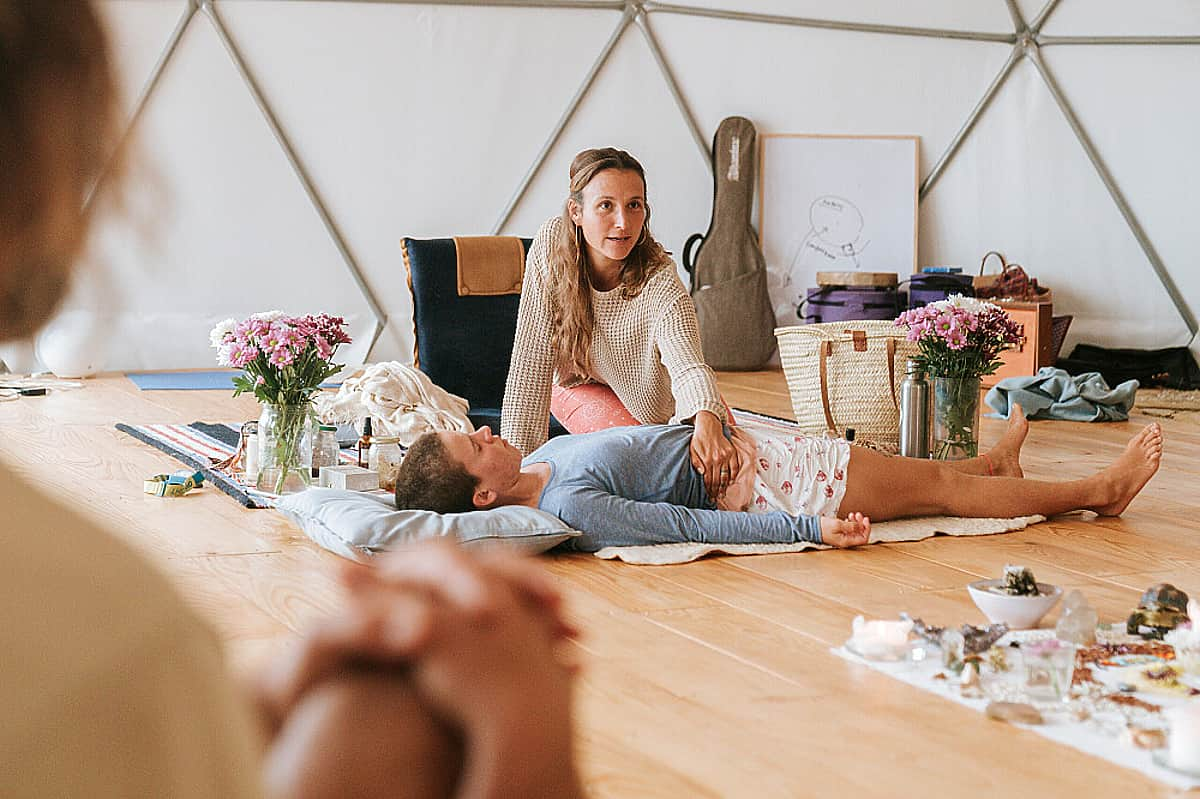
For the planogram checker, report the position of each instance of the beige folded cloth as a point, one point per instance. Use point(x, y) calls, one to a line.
point(400, 399)
point(489, 265)
point(899, 530)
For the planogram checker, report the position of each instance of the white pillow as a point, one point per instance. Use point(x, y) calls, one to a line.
point(357, 525)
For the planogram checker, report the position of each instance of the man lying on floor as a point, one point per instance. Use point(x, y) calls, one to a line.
point(631, 486)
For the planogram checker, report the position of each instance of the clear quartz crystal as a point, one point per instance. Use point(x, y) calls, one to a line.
point(952, 650)
point(1077, 623)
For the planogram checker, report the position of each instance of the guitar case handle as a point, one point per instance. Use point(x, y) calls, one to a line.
point(689, 263)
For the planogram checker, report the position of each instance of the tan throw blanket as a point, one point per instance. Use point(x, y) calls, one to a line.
point(401, 401)
point(899, 530)
point(489, 265)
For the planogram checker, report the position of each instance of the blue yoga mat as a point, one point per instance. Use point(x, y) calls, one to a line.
point(190, 381)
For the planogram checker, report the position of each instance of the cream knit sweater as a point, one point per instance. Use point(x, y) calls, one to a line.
point(647, 349)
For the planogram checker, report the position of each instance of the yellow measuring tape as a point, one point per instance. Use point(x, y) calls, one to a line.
point(172, 485)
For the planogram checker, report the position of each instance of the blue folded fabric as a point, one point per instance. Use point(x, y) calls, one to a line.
point(1054, 394)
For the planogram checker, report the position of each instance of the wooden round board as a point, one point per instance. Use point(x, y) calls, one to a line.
point(857, 278)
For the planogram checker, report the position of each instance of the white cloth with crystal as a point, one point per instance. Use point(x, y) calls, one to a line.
point(1099, 735)
point(401, 401)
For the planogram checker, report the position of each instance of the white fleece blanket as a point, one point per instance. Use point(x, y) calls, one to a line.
point(900, 530)
point(401, 401)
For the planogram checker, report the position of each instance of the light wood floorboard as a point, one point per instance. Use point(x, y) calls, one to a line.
point(709, 679)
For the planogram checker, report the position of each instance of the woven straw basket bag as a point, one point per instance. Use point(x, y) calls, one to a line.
point(846, 374)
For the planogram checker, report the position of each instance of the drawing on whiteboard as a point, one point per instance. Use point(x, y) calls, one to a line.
point(834, 204)
point(834, 241)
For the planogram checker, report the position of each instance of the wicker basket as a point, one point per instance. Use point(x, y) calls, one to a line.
point(846, 374)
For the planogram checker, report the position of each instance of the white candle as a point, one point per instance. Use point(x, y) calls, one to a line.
point(881, 639)
point(1184, 750)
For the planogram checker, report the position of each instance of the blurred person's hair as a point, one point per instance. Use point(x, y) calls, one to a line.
point(59, 127)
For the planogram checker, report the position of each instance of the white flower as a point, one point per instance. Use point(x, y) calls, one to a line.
point(217, 335)
point(968, 304)
point(223, 354)
point(269, 316)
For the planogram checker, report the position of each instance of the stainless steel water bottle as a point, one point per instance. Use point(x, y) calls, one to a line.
point(914, 412)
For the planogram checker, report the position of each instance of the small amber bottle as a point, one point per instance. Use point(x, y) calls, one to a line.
point(364, 441)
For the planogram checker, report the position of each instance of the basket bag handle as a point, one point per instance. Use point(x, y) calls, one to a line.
point(989, 254)
point(826, 350)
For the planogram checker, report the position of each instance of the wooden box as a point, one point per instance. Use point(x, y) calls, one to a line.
point(1035, 349)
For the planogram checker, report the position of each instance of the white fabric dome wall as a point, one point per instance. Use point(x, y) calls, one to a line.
point(425, 119)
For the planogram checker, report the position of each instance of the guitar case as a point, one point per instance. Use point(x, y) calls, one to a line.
point(729, 275)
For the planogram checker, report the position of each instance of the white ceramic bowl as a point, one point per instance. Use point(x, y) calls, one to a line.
point(1018, 612)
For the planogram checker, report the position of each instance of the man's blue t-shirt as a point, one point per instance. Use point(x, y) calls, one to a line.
point(630, 486)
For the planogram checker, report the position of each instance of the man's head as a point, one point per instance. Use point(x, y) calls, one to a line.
point(456, 472)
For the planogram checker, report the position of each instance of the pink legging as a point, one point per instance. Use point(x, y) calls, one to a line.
point(590, 407)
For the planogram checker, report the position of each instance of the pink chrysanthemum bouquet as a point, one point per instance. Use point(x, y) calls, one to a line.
point(960, 341)
point(960, 336)
point(285, 358)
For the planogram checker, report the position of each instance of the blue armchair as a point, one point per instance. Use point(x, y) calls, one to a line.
point(464, 339)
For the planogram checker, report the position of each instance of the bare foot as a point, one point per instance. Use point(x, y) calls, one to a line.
point(1137, 464)
point(852, 531)
point(1005, 457)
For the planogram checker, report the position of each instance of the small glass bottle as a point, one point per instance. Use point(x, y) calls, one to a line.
point(364, 441)
point(250, 455)
point(325, 449)
point(384, 458)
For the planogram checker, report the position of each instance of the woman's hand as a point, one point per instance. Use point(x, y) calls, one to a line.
point(713, 455)
point(853, 531)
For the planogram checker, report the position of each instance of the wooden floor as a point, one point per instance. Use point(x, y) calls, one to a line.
point(707, 679)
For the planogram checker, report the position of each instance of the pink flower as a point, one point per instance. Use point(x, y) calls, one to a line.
point(289, 354)
point(280, 338)
point(242, 353)
point(288, 335)
point(331, 328)
point(252, 327)
point(281, 356)
point(304, 325)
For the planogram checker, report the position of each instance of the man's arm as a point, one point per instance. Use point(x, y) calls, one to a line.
point(607, 520)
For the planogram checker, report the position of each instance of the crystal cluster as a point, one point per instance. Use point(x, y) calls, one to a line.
point(1077, 623)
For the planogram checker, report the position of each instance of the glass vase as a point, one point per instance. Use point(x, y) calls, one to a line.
point(955, 418)
point(285, 448)
point(1048, 667)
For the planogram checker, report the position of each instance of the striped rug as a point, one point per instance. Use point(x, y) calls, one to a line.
point(199, 445)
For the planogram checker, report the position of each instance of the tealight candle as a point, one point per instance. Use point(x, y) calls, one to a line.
point(881, 639)
point(1183, 751)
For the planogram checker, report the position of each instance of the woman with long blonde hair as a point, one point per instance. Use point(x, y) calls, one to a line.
point(607, 332)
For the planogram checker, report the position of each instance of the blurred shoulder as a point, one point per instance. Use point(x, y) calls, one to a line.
point(70, 585)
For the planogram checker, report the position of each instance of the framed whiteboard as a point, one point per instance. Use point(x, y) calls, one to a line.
point(834, 204)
